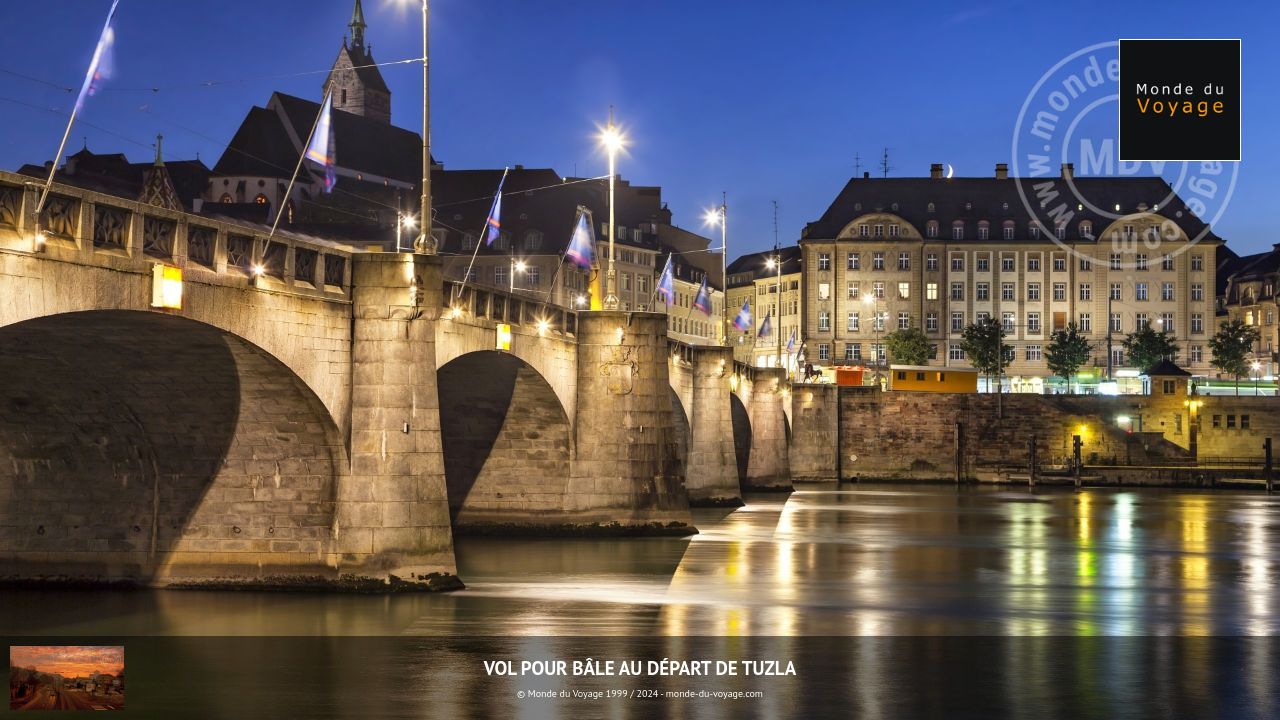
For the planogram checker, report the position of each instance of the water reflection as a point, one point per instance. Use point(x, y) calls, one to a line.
point(828, 560)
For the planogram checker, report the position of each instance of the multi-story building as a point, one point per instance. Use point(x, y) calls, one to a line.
point(940, 253)
point(684, 321)
point(1249, 294)
point(754, 279)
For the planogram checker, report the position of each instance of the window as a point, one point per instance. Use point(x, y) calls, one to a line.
point(1033, 322)
point(853, 261)
point(642, 284)
point(1033, 291)
point(1142, 261)
point(984, 291)
point(1086, 291)
point(1033, 231)
point(1116, 290)
point(1244, 422)
point(824, 320)
point(1197, 354)
point(864, 231)
point(824, 291)
point(955, 352)
point(1166, 322)
point(853, 351)
point(931, 229)
point(904, 260)
point(1115, 323)
point(852, 322)
point(1033, 353)
point(853, 288)
point(1166, 291)
point(984, 230)
point(1217, 421)
point(983, 318)
point(1197, 292)
point(1197, 323)
point(931, 262)
point(957, 322)
point(904, 320)
point(1007, 231)
point(1141, 320)
point(957, 291)
point(984, 264)
point(1006, 291)
point(626, 282)
point(1117, 357)
point(500, 275)
point(877, 352)
point(1169, 386)
point(1059, 291)
point(931, 291)
point(1033, 264)
point(877, 261)
point(957, 263)
point(824, 261)
point(1231, 421)
point(1086, 229)
point(1197, 263)
point(879, 231)
point(1086, 322)
point(1059, 264)
point(957, 230)
point(824, 351)
point(893, 230)
point(1006, 264)
point(904, 291)
point(1061, 230)
point(1140, 291)
point(1086, 264)
point(931, 321)
point(877, 288)
point(1008, 320)
point(1115, 261)
point(1166, 262)
point(878, 321)
point(533, 274)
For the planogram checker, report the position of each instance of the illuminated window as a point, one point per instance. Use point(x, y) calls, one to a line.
point(261, 199)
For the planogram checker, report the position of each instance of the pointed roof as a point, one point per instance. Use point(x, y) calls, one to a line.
point(357, 25)
point(1166, 368)
point(157, 187)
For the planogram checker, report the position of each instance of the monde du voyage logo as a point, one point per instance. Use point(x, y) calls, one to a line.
point(1180, 100)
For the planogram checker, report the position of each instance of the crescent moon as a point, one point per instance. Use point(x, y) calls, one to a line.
point(950, 171)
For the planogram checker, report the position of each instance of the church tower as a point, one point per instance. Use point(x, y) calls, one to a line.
point(357, 84)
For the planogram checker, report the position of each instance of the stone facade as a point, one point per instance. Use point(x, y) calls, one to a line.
point(703, 378)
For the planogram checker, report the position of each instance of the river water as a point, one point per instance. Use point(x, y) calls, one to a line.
point(892, 599)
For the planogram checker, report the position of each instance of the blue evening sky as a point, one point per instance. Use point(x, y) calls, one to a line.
point(763, 100)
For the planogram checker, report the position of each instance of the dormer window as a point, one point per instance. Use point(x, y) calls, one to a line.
point(931, 207)
point(957, 230)
point(931, 227)
point(1007, 230)
point(1086, 229)
point(984, 230)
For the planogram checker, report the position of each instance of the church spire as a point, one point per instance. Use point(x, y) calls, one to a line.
point(357, 26)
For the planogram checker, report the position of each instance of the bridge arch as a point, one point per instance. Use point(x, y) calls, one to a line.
point(741, 435)
point(150, 447)
point(507, 440)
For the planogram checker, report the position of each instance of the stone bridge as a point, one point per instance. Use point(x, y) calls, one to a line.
point(314, 414)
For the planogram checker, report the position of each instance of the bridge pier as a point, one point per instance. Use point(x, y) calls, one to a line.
point(625, 474)
point(391, 522)
point(768, 467)
point(711, 473)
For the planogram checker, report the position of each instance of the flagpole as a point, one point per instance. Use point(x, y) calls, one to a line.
point(301, 156)
point(75, 110)
point(476, 250)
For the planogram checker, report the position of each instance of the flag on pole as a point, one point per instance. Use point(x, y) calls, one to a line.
point(666, 284)
point(582, 247)
point(766, 327)
point(743, 321)
point(791, 341)
point(493, 225)
point(702, 300)
point(320, 149)
point(100, 65)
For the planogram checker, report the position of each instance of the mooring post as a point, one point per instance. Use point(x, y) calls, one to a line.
point(1076, 445)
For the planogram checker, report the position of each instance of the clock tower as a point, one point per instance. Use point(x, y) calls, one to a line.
point(358, 87)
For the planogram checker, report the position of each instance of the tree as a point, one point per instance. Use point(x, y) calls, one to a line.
point(983, 344)
point(1147, 347)
point(1066, 352)
point(1231, 346)
point(907, 347)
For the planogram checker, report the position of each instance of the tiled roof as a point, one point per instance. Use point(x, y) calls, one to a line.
point(113, 174)
point(756, 264)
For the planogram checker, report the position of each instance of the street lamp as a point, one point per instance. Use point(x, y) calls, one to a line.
point(1257, 367)
point(870, 299)
point(613, 140)
point(517, 266)
point(407, 222)
point(720, 216)
point(775, 263)
point(422, 244)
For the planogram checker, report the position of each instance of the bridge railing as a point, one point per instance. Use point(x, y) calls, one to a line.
point(93, 228)
point(487, 303)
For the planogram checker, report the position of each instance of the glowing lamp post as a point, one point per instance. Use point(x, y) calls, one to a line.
point(714, 217)
point(613, 141)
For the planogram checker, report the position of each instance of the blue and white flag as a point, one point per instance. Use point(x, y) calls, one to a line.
point(100, 65)
point(493, 225)
point(743, 321)
point(666, 284)
point(320, 149)
point(791, 341)
point(702, 301)
point(582, 248)
point(766, 327)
